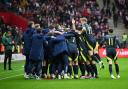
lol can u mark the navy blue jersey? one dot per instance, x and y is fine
(112, 41)
(71, 42)
(87, 28)
(27, 36)
(89, 40)
(88, 37)
(37, 47)
(59, 45)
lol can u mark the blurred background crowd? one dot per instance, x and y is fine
(59, 14)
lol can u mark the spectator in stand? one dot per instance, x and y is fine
(23, 4)
(125, 16)
(122, 7)
(0, 41)
(124, 40)
(104, 2)
(115, 19)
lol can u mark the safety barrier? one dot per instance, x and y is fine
(121, 54)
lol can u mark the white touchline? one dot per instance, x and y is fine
(13, 70)
(10, 77)
(10, 72)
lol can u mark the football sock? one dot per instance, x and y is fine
(44, 70)
(95, 59)
(87, 69)
(91, 70)
(117, 69)
(110, 69)
(75, 69)
(95, 69)
(97, 55)
(70, 69)
(59, 69)
(82, 69)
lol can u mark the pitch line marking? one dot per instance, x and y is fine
(10, 77)
(10, 72)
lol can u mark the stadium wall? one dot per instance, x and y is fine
(14, 57)
(121, 54)
(102, 53)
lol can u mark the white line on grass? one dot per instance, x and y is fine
(10, 77)
(10, 72)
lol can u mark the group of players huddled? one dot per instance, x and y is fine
(60, 53)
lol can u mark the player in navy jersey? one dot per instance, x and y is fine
(112, 42)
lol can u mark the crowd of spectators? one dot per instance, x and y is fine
(47, 12)
(60, 13)
(16, 35)
(121, 7)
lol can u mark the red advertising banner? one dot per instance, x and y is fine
(14, 20)
(121, 54)
(6, 17)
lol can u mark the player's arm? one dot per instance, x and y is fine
(97, 46)
(119, 44)
(73, 24)
(103, 41)
(68, 34)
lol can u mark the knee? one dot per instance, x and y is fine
(110, 62)
(75, 63)
(44, 63)
(70, 63)
(93, 62)
(87, 62)
(115, 62)
(90, 53)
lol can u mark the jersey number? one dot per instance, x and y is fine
(110, 41)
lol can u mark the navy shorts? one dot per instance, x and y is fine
(111, 52)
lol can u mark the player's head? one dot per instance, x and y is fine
(31, 24)
(51, 27)
(110, 31)
(79, 29)
(38, 28)
(9, 33)
(83, 20)
(124, 33)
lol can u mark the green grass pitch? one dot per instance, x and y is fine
(14, 79)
